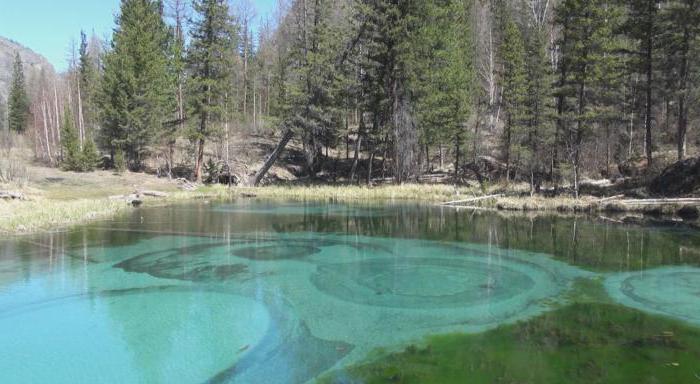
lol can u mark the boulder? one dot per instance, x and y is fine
(680, 178)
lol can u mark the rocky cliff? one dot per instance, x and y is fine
(33, 64)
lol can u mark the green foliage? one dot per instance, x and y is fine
(70, 144)
(515, 90)
(135, 86)
(208, 59)
(443, 71)
(88, 81)
(74, 158)
(18, 102)
(119, 161)
(589, 46)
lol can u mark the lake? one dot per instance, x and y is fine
(280, 292)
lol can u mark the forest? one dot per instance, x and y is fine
(535, 91)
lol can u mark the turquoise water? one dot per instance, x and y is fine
(260, 292)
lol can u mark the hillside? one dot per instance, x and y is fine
(33, 62)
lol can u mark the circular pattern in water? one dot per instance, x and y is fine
(276, 252)
(422, 283)
(671, 291)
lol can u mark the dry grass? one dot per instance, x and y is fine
(415, 192)
(41, 213)
(31, 216)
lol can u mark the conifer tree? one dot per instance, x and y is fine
(70, 144)
(680, 38)
(88, 81)
(135, 87)
(587, 48)
(443, 71)
(18, 101)
(643, 28)
(210, 51)
(514, 92)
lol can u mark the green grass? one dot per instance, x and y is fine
(580, 343)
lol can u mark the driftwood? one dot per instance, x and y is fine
(606, 199)
(473, 199)
(689, 200)
(152, 193)
(10, 195)
(136, 198)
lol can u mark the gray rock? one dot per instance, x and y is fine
(33, 63)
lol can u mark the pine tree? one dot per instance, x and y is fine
(443, 69)
(539, 106)
(210, 51)
(70, 144)
(177, 76)
(681, 29)
(88, 81)
(18, 102)
(515, 88)
(135, 87)
(643, 28)
(587, 46)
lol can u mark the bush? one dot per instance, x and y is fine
(119, 161)
(74, 158)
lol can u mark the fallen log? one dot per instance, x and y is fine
(151, 193)
(689, 200)
(473, 199)
(616, 197)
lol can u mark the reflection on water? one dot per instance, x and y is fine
(265, 292)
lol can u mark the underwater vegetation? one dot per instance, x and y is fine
(579, 343)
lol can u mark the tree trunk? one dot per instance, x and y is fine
(288, 134)
(199, 161)
(682, 109)
(369, 168)
(358, 146)
(649, 78)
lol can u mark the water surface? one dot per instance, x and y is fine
(271, 292)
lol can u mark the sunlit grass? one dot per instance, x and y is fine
(415, 192)
(30, 216)
(41, 213)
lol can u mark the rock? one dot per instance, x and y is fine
(680, 178)
(10, 195)
(689, 212)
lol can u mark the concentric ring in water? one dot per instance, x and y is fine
(421, 282)
(671, 291)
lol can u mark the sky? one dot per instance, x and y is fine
(48, 26)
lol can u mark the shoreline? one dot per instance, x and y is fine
(43, 214)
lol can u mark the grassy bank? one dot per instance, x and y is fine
(406, 192)
(60, 199)
(49, 214)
